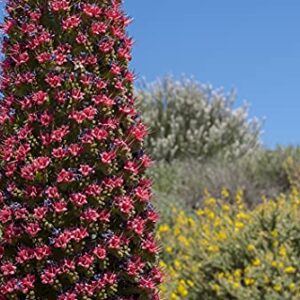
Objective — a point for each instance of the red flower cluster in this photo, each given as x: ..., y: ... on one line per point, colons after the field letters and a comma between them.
x: 74, y: 198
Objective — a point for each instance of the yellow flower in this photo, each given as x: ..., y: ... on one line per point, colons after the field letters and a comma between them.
x: 249, y: 281
x: 215, y: 287
x: 292, y: 286
x: 169, y: 249
x: 190, y: 283
x: 225, y: 193
x: 239, y: 225
x: 226, y: 207
x: 277, y: 287
x: 177, y: 264
x: 237, y: 273
x: 242, y: 215
x: 282, y: 251
x: 250, y: 248
x: 290, y: 270
x: 181, y: 289
x: 173, y: 296
x: 200, y: 212
x: 222, y: 235
x: 163, y: 228
x: 210, y: 201
x: 256, y: 262
x: 236, y: 285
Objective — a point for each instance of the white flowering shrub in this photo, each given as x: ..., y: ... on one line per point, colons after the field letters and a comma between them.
x: 187, y: 119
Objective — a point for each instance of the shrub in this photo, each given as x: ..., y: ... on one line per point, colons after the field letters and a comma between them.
x: 74, y: 198
x: 225, y: 251
x: 187, y: 119
x: 264, y: 173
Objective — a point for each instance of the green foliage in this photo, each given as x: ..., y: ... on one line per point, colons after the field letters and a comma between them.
x: 187, y: 119
x: 266, y: 173
x: 228, y: 252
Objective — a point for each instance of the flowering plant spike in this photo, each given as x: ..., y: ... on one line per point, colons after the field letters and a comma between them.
x: 75, y: 211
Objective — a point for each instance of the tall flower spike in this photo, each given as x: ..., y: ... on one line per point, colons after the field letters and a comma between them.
x: 74, y: 199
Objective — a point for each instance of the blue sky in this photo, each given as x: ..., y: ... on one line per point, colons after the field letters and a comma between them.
x: 253, y: 46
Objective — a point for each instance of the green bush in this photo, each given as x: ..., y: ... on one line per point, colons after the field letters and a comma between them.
x: 264, y: 173
x: 187, y: 119
x: 228, y: 252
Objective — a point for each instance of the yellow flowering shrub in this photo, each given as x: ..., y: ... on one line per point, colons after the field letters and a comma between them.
x: 226, y: 251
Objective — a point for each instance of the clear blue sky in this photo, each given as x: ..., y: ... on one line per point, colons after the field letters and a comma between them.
x: 253, y: 46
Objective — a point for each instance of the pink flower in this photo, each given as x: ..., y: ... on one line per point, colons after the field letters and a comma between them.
x: 65, y: 176
x: 137, y: 225
x: 59, y: 153
x: 68, y: 296
x: 40, y: 212
x: 114, y: 242
x: 99, y: 134
x: 125, y: 204
x: 108, y: 157
x: 77, y: 94
x: 28, y: 283
x: 115, y: 69
x: 24, y: 254
x: 5, y: 215
x: 22, y: 58
x: 48, y: 276
x: 32, y: 229
x: 21, y: 213
x: 41, y: 163
x: 57, y: 5
x: 106, y: 46
x: 98, y: 28
x: 60, y: 207
x: 42, y: 252
x: 149, y: 244
x: 85, y: 170
x: 52, y: 192
x: 147, y: 283
x: 85, y: 261
x: 90, y: 112
x: 104, y: 100
x: 54, y: 80
x: 93, y: 190
x: 131, y: 167
x: 43, y: 57
x: 100, y: 252
x: 39, y: 97
x: 71, y: 22
x: 75, y: 149
x: 81, y: 38
x: 110, y: 278
x: 8, y: 269
x: 46, y: 119
x: 79, y: 234
x: 68, y: 265
x: 139, y: 132
x: 142, y: 194
x: 135, y: 266
x: 90, y: 215
x: 78, y: 116
x: 152, y: 216
x: 92, y: 10
x: 78, y: 199
x: 62, y: 240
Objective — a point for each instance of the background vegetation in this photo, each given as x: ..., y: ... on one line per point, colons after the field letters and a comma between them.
x: 229, y: 206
